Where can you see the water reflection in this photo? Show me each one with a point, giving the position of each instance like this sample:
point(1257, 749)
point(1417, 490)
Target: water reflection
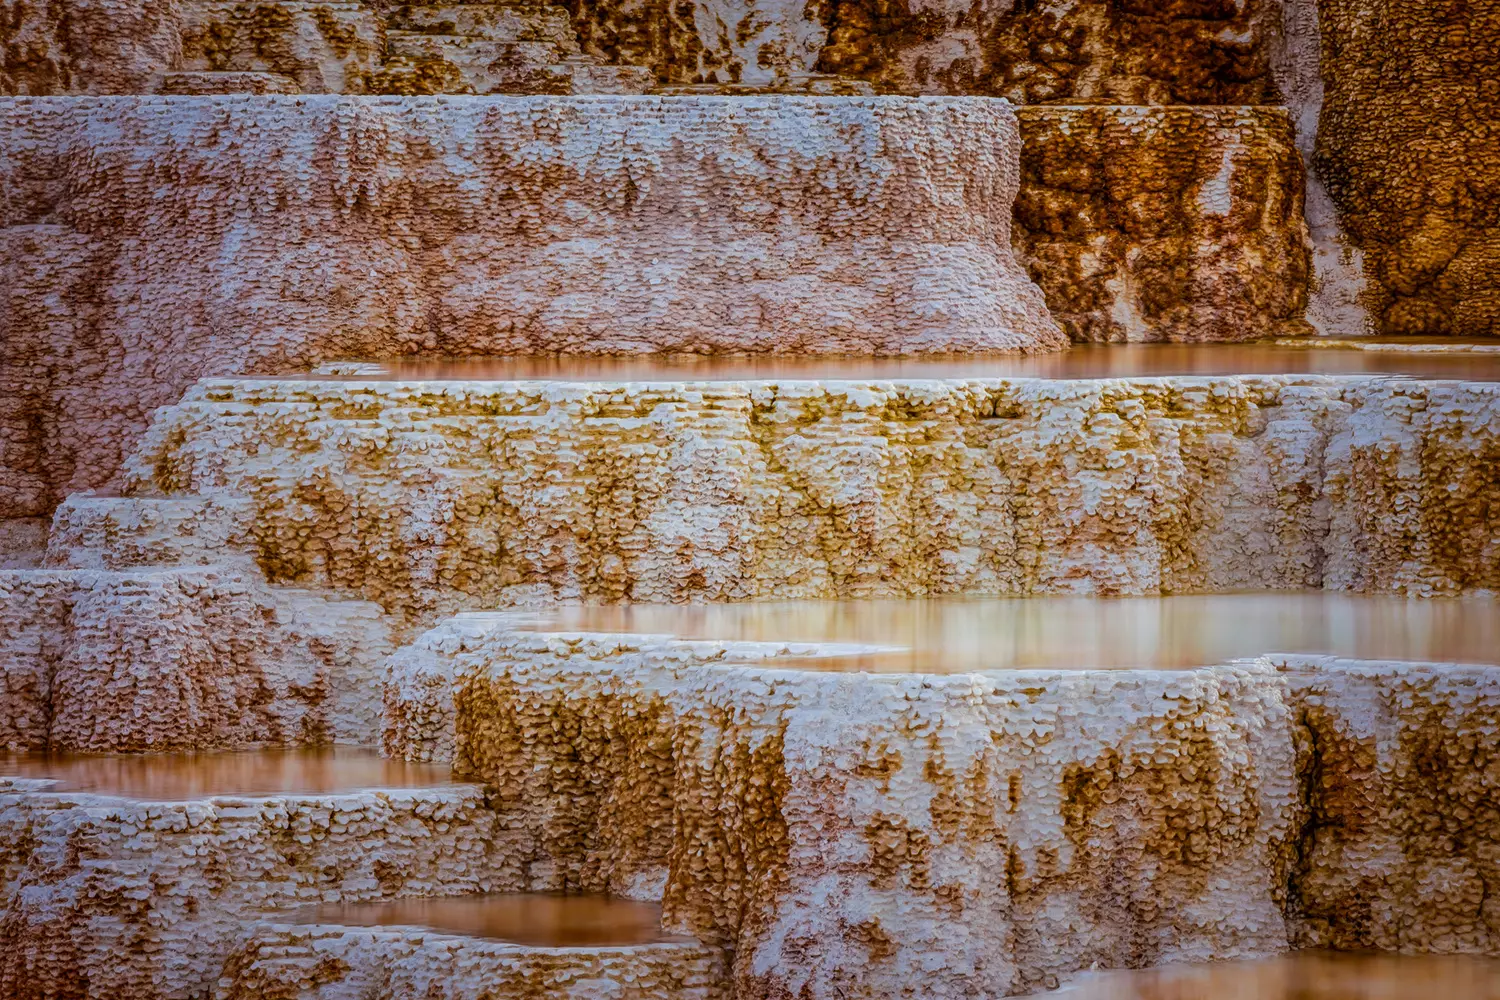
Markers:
point(534, 919)
point(1445, 359)
point(940, 636)
point(1306, 976)
point(172, 776)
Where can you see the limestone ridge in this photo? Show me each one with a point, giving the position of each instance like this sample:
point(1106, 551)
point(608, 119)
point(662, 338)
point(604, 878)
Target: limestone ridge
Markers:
point(482, 226)
point(441, 496)
point(1367, 124)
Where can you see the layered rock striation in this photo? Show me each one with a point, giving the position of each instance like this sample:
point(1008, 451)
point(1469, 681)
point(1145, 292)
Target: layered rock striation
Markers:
point(128, 898)
point(150, 239)
point(841, 832)
point(455, 495)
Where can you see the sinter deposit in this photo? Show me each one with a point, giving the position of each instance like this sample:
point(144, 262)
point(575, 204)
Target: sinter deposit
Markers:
point(749, 500)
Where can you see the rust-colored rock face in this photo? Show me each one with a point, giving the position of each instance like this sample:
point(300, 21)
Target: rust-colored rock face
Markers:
point(1174, 224)
point(1034, 51)
point(151, 240)
point(1409, 150)
point(86, 46)
point(1399, 850)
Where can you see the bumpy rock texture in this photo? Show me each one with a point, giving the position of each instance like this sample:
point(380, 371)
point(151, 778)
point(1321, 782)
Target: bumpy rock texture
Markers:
point(49, 47)
point(1401, 847)
point(150, 240)
point(1179, 224)
point(180, 659)
point(1409, 150)
point(1184, 52)
point(438, 495)
point(86, 46)
point(842, 831)
point(857, 835)
point(392, 964)
point(121, 898)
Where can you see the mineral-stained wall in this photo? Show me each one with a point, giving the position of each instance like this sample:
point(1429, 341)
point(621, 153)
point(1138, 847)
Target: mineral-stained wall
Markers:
point(1410, 151)
point(86, 46)
point(122, 898)
point(326, 48)
point(1032, 51)
point(458, 495)
point(147, 240)
point(863, 835)
point(1401, 847)
point(180, 659)
point(1174, 224)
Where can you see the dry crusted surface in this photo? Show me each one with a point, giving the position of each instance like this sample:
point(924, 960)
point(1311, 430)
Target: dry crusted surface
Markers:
point(1401, 779)
point(1180, 224)
point(841, 831)
point(147, 241)
point(844, 832)
point(188, 658)
point(447, 496)
point(1132, 52)
point(392, 964)
point(1409, 148)
point(132, 900)
point(858, 835)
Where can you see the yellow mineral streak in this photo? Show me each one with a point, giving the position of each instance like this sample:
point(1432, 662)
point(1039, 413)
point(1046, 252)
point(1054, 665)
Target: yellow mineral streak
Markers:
point(430, 497)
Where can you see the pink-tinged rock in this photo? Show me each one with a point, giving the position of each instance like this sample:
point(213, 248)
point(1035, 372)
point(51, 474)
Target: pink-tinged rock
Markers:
point(148, 241)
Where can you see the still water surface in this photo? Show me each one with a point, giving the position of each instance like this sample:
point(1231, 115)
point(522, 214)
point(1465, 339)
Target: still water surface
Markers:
point(176, 776)
point(1449, 359)
point(534, 919)
point(949, 636)
point(1307, 976)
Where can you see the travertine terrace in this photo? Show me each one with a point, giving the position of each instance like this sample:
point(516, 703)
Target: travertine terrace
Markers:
point(751, 490)
point(747, 501)
point(616, 224)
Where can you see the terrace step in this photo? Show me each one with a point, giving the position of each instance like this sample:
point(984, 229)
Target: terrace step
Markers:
point(1227, 810)
point(594, 952)
point(325, 47)
point(189, 658)
point(198, 82)
point(892, 487)
point(167, 890)
point(116, 533)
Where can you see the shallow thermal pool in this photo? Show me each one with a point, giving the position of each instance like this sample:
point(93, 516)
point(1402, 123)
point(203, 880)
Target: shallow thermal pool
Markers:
point(1444, 359)
point(171, 776)
point(534, 919)
point(945, 636)
point(1306, 976)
